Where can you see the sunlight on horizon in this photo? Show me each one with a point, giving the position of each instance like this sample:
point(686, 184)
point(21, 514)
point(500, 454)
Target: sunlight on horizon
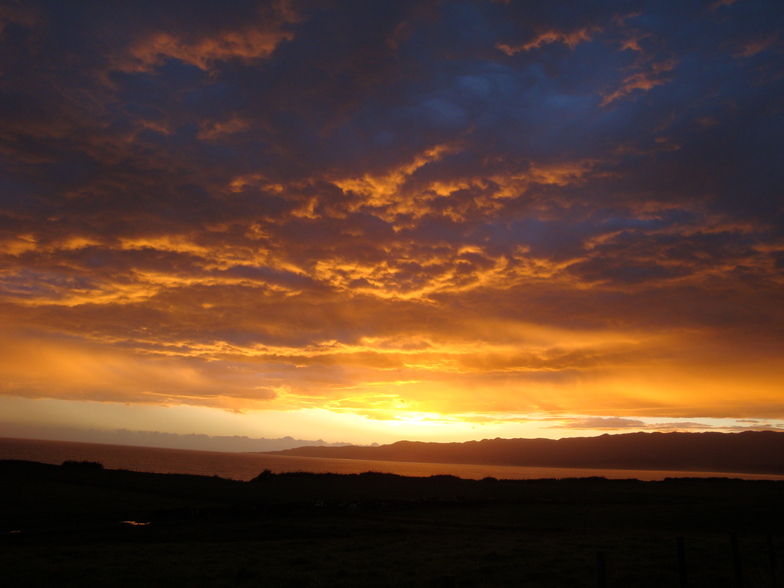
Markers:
point(94, 422)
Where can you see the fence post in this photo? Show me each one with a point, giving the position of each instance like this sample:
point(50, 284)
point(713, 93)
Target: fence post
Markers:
point(682, 579)
point(736, 565)
point(601, 569)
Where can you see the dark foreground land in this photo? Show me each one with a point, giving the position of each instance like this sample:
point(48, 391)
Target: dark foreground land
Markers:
point(77, 525)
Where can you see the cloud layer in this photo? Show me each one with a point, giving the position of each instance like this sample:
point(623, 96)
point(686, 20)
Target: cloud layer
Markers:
point(453, 208)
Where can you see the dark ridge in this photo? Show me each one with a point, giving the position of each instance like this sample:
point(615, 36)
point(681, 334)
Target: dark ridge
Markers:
point(752, 452)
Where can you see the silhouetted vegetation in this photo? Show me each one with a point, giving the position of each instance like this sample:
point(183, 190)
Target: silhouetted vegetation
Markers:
point(265, 475)
point(67, 526)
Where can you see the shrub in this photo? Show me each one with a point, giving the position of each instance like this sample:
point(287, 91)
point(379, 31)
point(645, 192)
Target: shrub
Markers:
point(265, 475)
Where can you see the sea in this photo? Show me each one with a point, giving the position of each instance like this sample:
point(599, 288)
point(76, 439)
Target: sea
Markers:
point(245, 466)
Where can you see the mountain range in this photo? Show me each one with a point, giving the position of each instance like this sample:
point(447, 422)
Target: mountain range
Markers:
point(747, 452)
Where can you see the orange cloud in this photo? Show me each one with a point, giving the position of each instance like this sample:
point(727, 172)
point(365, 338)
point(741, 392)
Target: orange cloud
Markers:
point(246, 45)
point(251, 42)
point(572, 39)
point(214, 130)
point(46, 367)
point(755, 46)
point(632, 41)
point(645, 80)
point(386, 191)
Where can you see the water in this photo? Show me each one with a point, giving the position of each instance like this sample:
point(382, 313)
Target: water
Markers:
point(244, 466)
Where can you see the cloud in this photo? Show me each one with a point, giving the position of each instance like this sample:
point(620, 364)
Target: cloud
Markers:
point(752, 47)
point(617, 423)
point(571, 39)
point(454, 207)
point(46, 367)
point(600, 423)
point(656, 75)
point(245, 44)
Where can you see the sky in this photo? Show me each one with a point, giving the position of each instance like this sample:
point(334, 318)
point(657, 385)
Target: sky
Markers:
point(369, 221)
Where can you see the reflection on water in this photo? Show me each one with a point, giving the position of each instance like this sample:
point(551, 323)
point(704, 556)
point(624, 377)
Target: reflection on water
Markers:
point(134, 523)
point(245, 466)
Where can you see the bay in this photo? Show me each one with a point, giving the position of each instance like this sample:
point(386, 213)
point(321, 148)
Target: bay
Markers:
point(245, 466)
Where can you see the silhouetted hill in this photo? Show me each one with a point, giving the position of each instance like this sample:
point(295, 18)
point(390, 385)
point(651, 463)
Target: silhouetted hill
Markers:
point(746, 452)
point(199, 442)
point(77, 524)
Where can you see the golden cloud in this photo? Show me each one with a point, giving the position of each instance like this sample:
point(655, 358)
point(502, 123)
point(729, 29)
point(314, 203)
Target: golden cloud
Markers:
point(572, 39)
point(250, 42)
point(645, 80)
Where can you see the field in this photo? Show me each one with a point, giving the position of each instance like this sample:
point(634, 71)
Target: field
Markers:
point(80, 525)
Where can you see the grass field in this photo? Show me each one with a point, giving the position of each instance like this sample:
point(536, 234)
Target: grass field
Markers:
point(64, 526)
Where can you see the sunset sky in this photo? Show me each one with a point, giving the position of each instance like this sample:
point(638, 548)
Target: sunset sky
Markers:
point(369, 221)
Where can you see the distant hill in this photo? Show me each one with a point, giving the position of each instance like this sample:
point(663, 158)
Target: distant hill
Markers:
point(747, 452)
point(231, 444)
